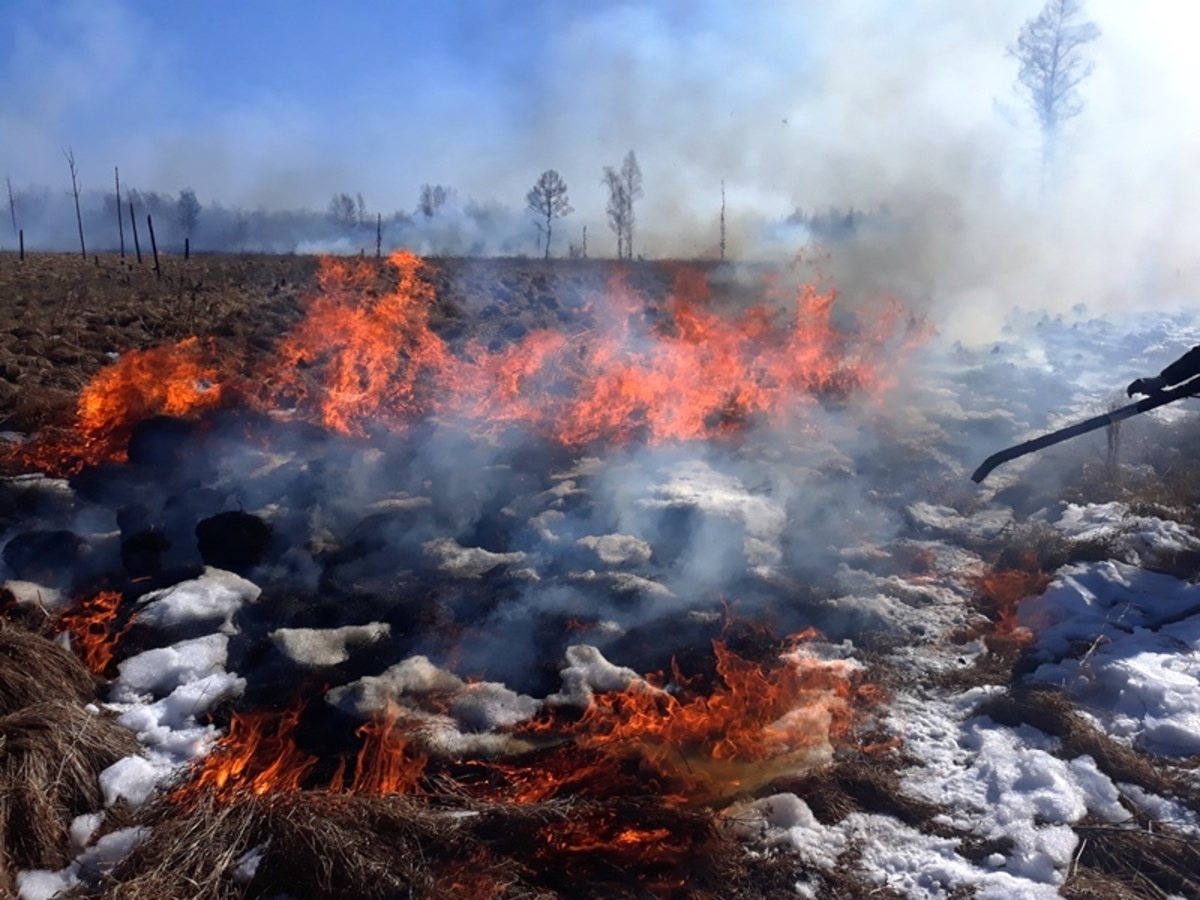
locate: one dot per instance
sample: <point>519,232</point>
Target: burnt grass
<point>64,317</point>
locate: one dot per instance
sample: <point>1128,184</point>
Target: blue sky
<point>790,102</point>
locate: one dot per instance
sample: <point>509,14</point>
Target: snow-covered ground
<point>1120,640</point>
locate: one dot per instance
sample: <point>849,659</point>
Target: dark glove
<point>1154,384</point>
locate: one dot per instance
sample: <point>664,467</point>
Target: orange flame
<point>1002,590</point>
<point>259,756</point>
<point>367,357</point>
<point>176,380</point>
<point>358,358</point>
<point>387,763</point>
<point>757,722</point>
<point>90,625</point>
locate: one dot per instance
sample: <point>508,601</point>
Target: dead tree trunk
<point>133,224</point>
<point>154,248</point>
<point>21,238</point>
<point>120,222</point>
<point>70,154</point>
<point>12,205</point>
<point>378,235</point>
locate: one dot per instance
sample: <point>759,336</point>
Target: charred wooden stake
<point>154,248</point>
<point>136,246</point>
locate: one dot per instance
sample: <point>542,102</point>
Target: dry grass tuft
<point>1131,863</point>
<point>35,670</point>
<point>51,756</point>
<point>320,845</point>
<point>862,784</point>
<point>1054,713</point>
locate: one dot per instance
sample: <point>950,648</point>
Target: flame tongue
<point>366,356</point>
<point>686,745</point>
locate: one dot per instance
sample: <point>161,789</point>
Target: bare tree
<point>548,198</point>
<point>70,155</point>
<point>1050,50</point>
<point>624,186</point>
<point>187,212</point>
<point>631,177</point>
<point>432,198</point>
<point>343,211</point>
<point>361,206</point>
<point>617,207</point>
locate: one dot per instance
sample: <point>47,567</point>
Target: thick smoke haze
<point>905,111</point>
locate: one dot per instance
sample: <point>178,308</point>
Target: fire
<point>387,762</point>
<point>259,756</point>
<point>360,356</point>
<point>1002,589</point>
<point>683,744</point>
<point>757,722</point>
<point>91,625</point>
<point>179,380</point>
<point>367,357</point>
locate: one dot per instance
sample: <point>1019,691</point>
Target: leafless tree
<point>361,206</point>
<point>432,198</point>
<point>70,155</point>
<point>1049,49</point>
<point>548,198</point>
<point>343,211</point>
<point>624,187</point>
<point>631,177</point>
<point>617,208</point>
<point>187,212</point>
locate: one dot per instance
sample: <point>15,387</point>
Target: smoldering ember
<point>581,578</point>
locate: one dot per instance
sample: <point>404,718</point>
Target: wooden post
<point>154,247</point>
<point>120,221</point>
<point>133,225</point>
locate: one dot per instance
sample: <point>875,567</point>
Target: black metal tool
<point>1187,389</point>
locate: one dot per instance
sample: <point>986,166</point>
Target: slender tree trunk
<point>12,205</point>
<point>21,238</point>
<point>378,235</point>
<point>133,224</point>
<point>548,232</point>
<point>154,248</point>
<point>75,190</point>
<point>120,221</point>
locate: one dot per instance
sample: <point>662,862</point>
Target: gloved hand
<point>1152,384</point>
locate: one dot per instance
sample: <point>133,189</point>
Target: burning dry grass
<point>321,845</point>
